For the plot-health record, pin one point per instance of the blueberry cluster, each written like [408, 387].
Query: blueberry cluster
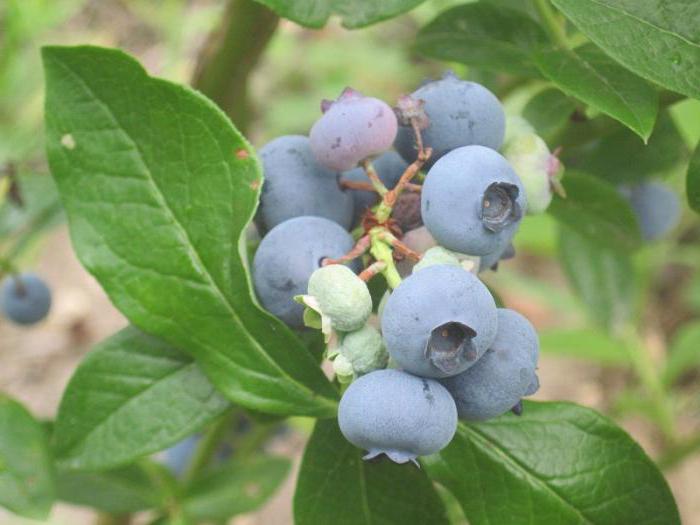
[25, 299]
[340, 208]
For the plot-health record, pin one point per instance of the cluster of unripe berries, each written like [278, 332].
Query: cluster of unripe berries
[25, 299]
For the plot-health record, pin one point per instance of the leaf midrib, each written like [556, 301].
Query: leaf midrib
[195, 258]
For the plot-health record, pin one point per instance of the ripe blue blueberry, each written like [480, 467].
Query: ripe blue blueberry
[286, 258]
[351, 129]
[389, 166]
[460, 113]
[472, 201]
[25, 299]
[506, 373]
[656, 206]
[490, 261]
[394, 413]
[295, 185]
[439, 321]
[179, 455]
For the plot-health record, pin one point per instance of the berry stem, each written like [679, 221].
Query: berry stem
[373, 177]
[399, 246]
[354, 185]
[207, 447]
[383, 252]
[551, 23]
[358, 250]
[373, 269]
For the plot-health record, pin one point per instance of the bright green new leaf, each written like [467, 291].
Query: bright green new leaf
[557, 463]
[26, 469]
[657, 39]
[353, 13]
[484, 36]
[336, 486]
[159, 187]
[589, 75]
[132, 395]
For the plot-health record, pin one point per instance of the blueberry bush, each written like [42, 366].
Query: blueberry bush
[347, 276]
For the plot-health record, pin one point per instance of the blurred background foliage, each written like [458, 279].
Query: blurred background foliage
[634, 319]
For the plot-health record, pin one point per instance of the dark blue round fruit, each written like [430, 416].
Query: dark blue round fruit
[25, 299]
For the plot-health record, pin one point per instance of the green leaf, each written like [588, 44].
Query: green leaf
[657, 39]
[684, 353]
[484, 36]
[594, 209]
[131, 396]
[119, 491]
[602, 278]
[620, 157]
[583, 343]
[26, 472]
[589, 75]
[336, 486]
[557, 463]
[548, 111]
[692, 181]
[353, 13]
[235, 487]
[159, 187]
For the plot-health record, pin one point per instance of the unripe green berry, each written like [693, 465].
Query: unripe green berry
[436, 255]
[341, 296]
[364, 349]
[343, 369]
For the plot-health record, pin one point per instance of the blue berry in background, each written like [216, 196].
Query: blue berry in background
[656, 206]
[178, 456]
[286, 258]
[490, 261]
[439, 321]
[25, 299]
[394, 413]
[460, 113]
[472, 201]
[506, 373]
[295, 185]
[351, 129]
[389, 166]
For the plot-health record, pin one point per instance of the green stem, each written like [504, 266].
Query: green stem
[207, 447]
[231, 53]
[382, 251]
[551, 23]
[646, 371]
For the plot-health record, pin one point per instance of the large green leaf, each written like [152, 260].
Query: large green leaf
[621, 157]
[26, 472]
[119, 491]
[158, 187]
[692, 181]
[595, 209]
[583, 343]
[484, 36]
[603, 279]
[556, 464]
[589, 75]
[353, 13]
[336, 486]
[657, 39]
[131, 396]
[235, 487]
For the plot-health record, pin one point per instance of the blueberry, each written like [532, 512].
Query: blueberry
[491, 260]
[439, 321]
[389, 166]
[656, 206]
[506, 373]
[472, 201]
[25, 299]
[394, 413]
[461, 113]
[286, 258]
[351, 129]
[179, 455]
[295, 185]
